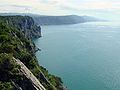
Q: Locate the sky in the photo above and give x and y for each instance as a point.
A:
(98, 8)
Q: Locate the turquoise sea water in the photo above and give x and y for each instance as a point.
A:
(86, 56)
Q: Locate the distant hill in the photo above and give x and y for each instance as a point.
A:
(56, 20)
(62, 20)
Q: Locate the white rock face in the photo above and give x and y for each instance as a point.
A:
(37, 85)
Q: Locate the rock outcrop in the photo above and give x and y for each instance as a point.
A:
(29, 75)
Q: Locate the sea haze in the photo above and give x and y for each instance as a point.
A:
(86, 56)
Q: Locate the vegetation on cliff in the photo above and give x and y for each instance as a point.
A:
(14, 43)
(24, 24)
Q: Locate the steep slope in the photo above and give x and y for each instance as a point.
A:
(14, 43)
(14, 75)
(36, 84)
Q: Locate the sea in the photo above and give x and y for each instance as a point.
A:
(86, 56)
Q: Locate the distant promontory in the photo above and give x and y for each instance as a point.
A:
(57, 20)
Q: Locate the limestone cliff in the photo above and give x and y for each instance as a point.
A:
(25, 24)
(23, 71)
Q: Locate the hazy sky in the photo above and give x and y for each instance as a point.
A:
(105, 8)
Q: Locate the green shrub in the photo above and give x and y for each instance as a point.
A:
(6, 86)
(6, 48)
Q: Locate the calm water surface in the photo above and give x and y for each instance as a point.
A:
(86, 56)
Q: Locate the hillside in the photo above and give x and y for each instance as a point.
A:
(19, 68)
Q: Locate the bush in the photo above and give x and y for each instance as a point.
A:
(6, 48)
(8, 67)
(25, 57)
(3, 38)
(6, 86)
